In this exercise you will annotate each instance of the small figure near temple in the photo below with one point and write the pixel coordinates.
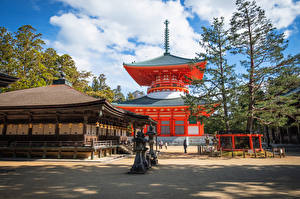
(185, 145)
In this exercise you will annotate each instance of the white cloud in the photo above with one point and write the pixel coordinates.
(281, 12)
(101, 35)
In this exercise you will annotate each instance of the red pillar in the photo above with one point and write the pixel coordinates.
(232, 141)
(186, 125)
(259, 138)
(172, 124)
(219, 141)
(251, 143)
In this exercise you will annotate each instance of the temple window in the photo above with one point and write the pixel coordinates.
(165, 127)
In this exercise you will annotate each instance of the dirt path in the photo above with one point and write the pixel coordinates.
(177, 176)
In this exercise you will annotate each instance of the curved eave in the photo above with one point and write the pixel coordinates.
(145, 75)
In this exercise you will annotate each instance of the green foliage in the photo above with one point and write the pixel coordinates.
(279, 105)
(118, 95)
(134, 95)
(22, 56)
(130, 96)
(216, 89)
(100, 89)
(254, 36)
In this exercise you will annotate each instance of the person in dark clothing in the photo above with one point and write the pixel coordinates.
(184, 145)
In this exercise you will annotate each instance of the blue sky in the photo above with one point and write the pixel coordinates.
(102, 34)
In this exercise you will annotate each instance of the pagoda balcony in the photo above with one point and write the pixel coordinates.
(168, 89)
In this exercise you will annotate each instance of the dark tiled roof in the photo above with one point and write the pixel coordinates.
(48, 95)
(147, 101)
(5, 80)
(166, 59)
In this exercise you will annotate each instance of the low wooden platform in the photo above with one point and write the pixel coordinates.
(59, 149)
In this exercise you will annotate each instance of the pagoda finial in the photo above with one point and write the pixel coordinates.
(167, 47)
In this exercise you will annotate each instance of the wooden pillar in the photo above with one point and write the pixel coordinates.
(250, 142)
(260, 146)
(59, 150)
(44, 150)
(29, 150)
(232, 142)
(29, 133)
(57, 125)
(186, 125)
(75, 151)
(5, 125)
(92, 152)
(85, 121)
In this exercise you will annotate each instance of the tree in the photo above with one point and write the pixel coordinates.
(78, 79)
(22, 56)
(118, 95)
(27, 48)
(217, 86)
(130, 96)
(7, 53)
(280, 105)
(254, 36)
(100, 89)
(135, 94)
(50, 61)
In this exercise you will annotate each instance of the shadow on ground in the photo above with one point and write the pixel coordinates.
(164, 181)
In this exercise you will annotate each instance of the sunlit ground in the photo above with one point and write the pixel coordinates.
(178, 175)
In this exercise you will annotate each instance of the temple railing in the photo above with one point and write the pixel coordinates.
(96, 144)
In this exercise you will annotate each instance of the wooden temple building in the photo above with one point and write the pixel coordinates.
(58, 121)
(167, 78)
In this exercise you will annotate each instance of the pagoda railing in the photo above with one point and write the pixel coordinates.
(167, 88)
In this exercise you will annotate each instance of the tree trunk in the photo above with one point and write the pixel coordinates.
(224, 97)
(251, 81)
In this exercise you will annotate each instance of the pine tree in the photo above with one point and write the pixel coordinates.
(22, 56)
(100, 89)
(254, 36)
(219, 80)
(118, 95)
(280, 104)
(7, 53)
(28, 54)
(130, 96)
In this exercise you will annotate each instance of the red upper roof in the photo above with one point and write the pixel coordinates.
(144, 76)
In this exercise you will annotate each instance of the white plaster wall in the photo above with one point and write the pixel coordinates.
(165, 95)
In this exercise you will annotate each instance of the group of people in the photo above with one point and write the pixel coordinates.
(161, 144)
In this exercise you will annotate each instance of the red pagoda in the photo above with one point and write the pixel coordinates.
(167, 78)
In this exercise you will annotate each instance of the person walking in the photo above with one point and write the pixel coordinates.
(166, 145)
(161, 144)
(184, 145)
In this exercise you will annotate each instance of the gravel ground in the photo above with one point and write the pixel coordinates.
(178, 175)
